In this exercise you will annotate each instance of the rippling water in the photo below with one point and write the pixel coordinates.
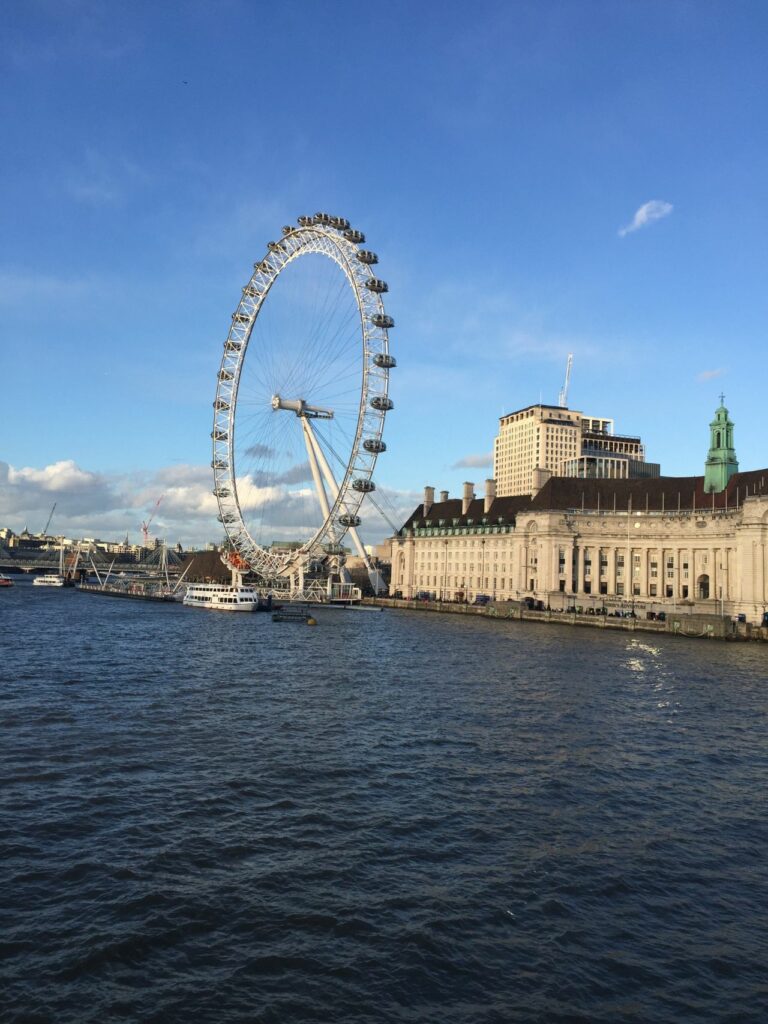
(391, 817)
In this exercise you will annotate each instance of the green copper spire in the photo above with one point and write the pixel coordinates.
(721, 460)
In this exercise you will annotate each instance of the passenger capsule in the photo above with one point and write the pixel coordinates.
(385, 360)
(262, 266)
(382, 320)
(348, 520)
(354, 236)
(374, 446)
(322, 218)
(274, 246)
(382, 404)
(363, 485)
(340, 223)
(373, 284)
(306, 222)
(241, 318)
(286, 229)
(366, 256)
(221, 492)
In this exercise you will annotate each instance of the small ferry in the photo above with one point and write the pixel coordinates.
(298, 614)
(222, 598)
(49, 580)
(5, 581)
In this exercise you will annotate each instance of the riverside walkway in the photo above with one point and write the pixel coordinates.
(693, 626)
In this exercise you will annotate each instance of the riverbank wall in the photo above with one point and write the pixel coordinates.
(693, 626)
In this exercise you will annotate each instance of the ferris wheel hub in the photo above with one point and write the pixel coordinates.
(300, 407)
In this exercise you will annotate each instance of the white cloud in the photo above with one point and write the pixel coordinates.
(709, 375)
(92, 504)
(474, 461)
(653, 210)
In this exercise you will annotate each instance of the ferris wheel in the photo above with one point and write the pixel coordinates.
(301, 398)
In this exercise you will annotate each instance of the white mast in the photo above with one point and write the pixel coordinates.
(562, 399)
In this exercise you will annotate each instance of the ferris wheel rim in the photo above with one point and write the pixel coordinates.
(330, 238)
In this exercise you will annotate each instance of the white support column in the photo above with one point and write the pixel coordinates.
(331, 480)
(322, 497)
(373, 574)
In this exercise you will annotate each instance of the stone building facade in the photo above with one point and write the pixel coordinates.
(647, 544)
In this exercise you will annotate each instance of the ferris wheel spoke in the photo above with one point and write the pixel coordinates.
(313, 336)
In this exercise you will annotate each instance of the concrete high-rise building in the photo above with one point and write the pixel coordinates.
(541, 441)
(537, 437)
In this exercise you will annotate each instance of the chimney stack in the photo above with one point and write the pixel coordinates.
(467, 497)
(490, 495)
(429, 499)
(443, 495)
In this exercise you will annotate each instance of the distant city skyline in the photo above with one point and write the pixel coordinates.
(537, 179)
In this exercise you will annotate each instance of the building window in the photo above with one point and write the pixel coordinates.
(620, 589)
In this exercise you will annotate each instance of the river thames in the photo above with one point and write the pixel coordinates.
(399, 817)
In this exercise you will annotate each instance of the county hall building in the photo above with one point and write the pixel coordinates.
(648, 542)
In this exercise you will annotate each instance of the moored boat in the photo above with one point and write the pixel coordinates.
(137, 591)
(5, 581)
(50, 579)
(222, 598)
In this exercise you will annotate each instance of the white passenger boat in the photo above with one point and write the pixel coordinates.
(49, 580)
(219, 597)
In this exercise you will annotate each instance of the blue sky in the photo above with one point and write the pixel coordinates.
(492, 153)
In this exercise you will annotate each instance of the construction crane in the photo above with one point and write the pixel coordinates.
(145, 524)
(562, 398)
(50, 517)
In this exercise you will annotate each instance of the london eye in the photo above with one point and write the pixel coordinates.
(302, 395)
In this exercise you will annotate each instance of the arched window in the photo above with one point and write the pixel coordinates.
(702, 587)
(718, 440)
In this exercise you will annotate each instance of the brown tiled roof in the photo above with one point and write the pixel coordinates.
(448, 511)
(207, 567)
(663, 493)
(656, 494)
